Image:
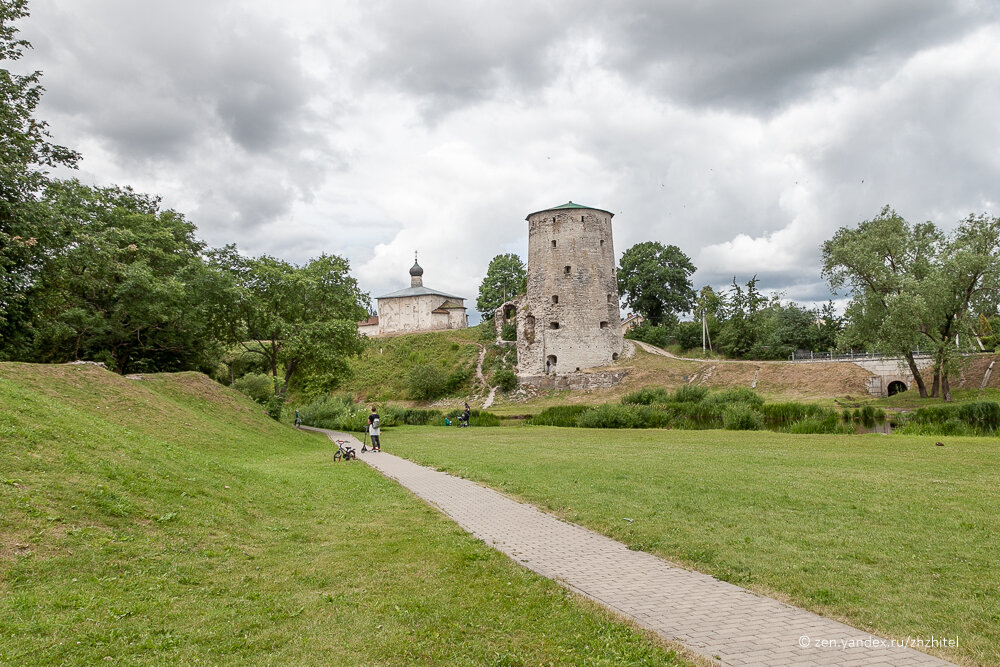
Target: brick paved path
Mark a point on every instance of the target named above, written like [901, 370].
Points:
[710, 617]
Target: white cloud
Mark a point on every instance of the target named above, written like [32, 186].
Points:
[373, 130]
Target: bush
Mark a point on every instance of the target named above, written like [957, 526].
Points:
[476, 417]
[257, 386]
[273, 407]
[456, 379]
[781, 415]
[508, 331]
[621, 416]
[393, 415]
[819, 424]
[741, 417]
[610, 416]
[427, 382]
[340, 413]
[486, 331]
[982, 415]
[737, 395]
[559, 415]
[689, 393]
[646, 396]
[658, 336]
[506, 380]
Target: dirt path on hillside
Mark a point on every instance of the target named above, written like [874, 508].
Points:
[479, 376]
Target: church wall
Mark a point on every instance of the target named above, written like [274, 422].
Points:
[413, 313]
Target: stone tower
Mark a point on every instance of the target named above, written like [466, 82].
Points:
[569, 320]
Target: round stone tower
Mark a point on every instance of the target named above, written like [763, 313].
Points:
[569, 320]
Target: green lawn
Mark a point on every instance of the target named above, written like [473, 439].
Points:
[166, 521]
[888, 533]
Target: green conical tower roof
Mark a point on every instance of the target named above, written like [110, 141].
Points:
[571, 205]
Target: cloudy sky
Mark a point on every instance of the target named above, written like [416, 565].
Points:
[744, 133]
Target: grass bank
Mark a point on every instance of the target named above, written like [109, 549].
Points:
[891, 534]
[383, 371]
[168, 521]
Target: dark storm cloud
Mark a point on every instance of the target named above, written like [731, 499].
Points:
[722, 53]
[456, 53]
[761, 55]
[173, 75]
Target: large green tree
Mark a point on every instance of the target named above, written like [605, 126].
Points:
[300, 320]
[505, 279]
[655, 281]
[26, 153]
[914, 287]
[120, 282]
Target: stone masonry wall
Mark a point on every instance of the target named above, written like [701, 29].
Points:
[413, 313]
[570, 313]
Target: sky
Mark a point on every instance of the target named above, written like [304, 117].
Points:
[744, 133]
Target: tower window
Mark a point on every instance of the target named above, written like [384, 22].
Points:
[602, 243]
[581, 218]
[566, 270]
[553, 325]
[611, 299]
[553, 243]
[555, 298]
[604, 325]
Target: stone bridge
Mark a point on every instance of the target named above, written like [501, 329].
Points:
[890, 375]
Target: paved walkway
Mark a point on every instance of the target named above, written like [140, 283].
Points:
[715, 619]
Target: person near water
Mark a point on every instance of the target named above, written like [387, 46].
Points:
[374, 430]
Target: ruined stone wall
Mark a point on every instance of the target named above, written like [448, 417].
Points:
[570, 314]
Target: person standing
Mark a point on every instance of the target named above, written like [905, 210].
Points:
[374, 430]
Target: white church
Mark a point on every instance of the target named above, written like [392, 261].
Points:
[416, 308]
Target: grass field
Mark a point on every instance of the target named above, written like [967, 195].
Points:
[889, 533]
[166, 521]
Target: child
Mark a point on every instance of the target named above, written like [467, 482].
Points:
[374, 431]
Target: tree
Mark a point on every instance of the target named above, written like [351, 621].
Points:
[25, 154]
[655, 281]
[914, 287]
[119, 282]
[505, 279]
[828, 327]
[301, 320]
[744, 328]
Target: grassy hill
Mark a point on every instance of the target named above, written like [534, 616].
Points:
[166, 520]
[383, 370]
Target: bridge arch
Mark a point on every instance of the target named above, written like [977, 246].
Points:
[896, 387]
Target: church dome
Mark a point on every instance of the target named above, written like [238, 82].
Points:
[416, 269]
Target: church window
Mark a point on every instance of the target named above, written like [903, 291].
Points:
[553, 243]
[555, 298]
[553, 325]
[566, 270]
[604, 325]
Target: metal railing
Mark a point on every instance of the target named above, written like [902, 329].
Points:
[819, 357]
